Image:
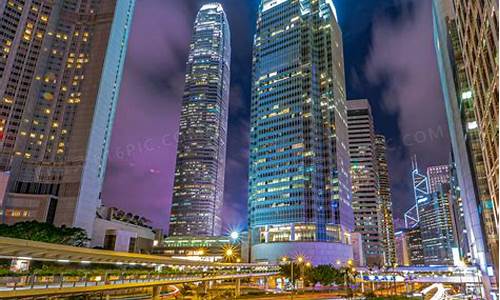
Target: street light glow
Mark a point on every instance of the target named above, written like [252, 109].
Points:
[235, 235]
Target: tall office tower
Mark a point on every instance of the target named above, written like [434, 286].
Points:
[201, 151]
[438, 175]
[299, 185]
[436, 227]
[480, 213]
[477, 27]
[386, 202]
[61, 66]
[366, 201]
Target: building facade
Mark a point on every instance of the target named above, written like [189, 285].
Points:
[402, 249]
[366, 199]
[61, 66]
[299, 185]
[201, 150]
[477, 27]
[460, 102]
[415, 248]
[358, 253]
[438, 175]
[117, 230]
[204, 248]
[386, 201]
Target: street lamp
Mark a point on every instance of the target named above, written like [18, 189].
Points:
[300, 260]
[229, 252]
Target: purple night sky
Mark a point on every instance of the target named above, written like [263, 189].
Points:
[390, 60]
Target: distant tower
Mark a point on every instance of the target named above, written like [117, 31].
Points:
[386, 201]
[201, 151]
[421, 191]
[367, 202]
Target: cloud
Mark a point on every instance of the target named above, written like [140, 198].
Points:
[402, 60]
[143, 143]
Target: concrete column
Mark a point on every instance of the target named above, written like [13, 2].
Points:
[156, 293]
[237, 291]
[266, 283]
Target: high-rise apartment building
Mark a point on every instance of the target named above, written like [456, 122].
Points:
[366, 201]
[299, 186]
[61, 65]
[387, 226]
[462, 103]
[201, 150]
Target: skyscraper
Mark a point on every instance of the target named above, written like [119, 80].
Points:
[299, 186]
[386, 201]
[461, 103]
[366, 201]
[61, 66]
[201, 150]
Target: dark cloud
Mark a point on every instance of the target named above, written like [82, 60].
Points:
[402, 60]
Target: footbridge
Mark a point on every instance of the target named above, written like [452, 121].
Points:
[163, 271]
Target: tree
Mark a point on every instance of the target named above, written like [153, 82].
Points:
[323, 274]
[44, 232]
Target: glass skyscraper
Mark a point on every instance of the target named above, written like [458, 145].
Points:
[201, 151]
[61, 65]
[299, 183]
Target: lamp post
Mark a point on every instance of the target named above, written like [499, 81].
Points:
[300, 260]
